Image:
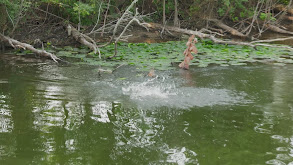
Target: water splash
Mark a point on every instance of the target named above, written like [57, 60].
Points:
[151, 94]
[100, 111]
[147, 89]
[181, 156]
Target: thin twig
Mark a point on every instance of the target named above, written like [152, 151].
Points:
[52, 14]
[9, 17]
[105, 18]
[98, 19]
[79, 20]
[272, 40]
[126, 27]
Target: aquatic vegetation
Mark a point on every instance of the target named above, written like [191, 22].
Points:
[167, 55]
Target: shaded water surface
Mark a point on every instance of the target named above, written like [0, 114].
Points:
[73, 115]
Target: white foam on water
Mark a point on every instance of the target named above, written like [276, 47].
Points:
[154, 94]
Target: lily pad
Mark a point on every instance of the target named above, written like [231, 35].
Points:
[64, 53]
[160, 55]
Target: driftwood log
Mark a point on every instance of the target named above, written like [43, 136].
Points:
[16, 44]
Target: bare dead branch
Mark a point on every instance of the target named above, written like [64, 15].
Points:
[105, 18]
[98, 19]
[283, 8]
[277, 29]
[16, 44]
[211, 32]
[134, 19]
[227, 28]
[123, 16]
[272, 40]
[213, 38]
[83, 39]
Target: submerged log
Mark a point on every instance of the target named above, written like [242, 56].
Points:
[17, 44]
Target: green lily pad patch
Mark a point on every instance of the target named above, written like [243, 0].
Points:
[163, 56]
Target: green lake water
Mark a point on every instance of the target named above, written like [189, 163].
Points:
[233, 115]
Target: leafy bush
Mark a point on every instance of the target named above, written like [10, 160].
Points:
[285, 2]
[13, 11]
[234, 9]
[267, 16]
[88, 10]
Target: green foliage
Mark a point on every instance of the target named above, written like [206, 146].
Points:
[83, 9]
[169, 8]
[234, 9]
[267, 16]
[14, 7]
[87, 9]
[285, 2]
[163, 56]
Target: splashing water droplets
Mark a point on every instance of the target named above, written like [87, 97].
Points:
[142, 90]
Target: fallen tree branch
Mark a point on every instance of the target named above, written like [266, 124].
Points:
[201, 35]
[217, 30]
[83, 39]
[289, 18]
[273, 40]
[275, 46]
[16, 44]
[211, 32]
[229, 29]
[277, 29]
[283, 8]
[197, 34]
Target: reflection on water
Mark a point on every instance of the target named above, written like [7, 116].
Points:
[101, 110]
[179, 157]
[218, 115]
[6, 124]
[278, 111]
